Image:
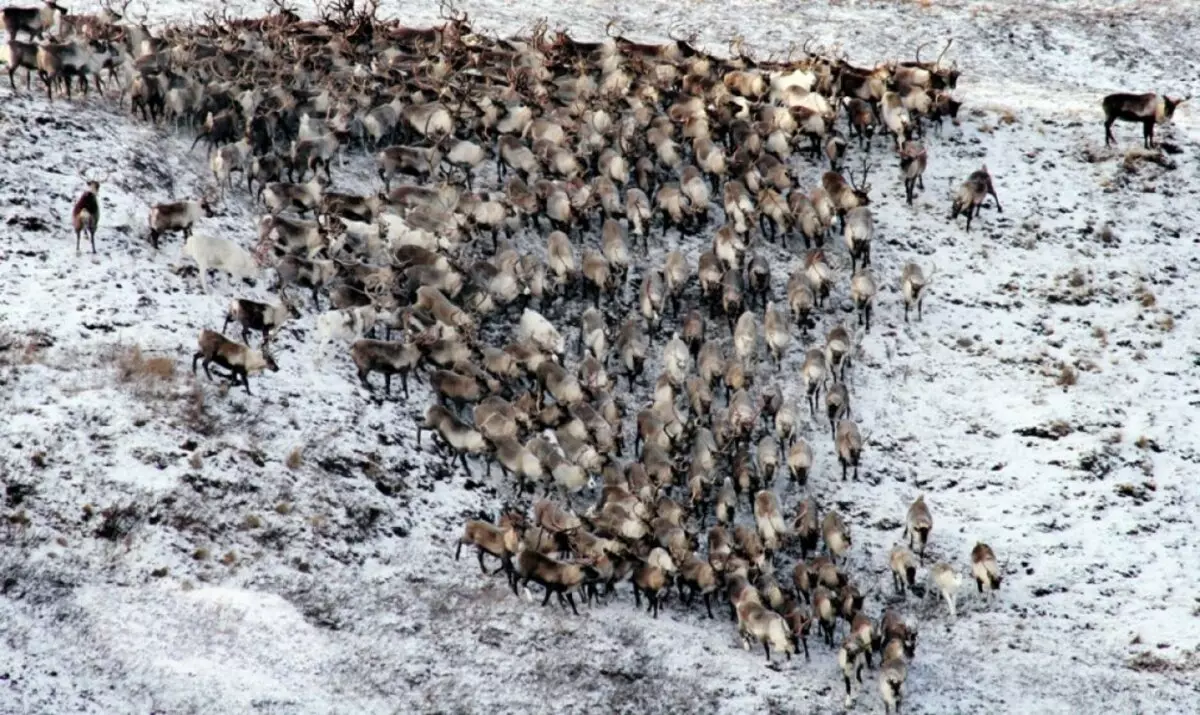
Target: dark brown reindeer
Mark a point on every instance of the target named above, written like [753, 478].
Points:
[220, 128]
[34, 21]
[971, 195]
[85, 215]
[1149, 109]
[861, 83]
[20, 55]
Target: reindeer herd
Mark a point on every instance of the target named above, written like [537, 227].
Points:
[612, 155]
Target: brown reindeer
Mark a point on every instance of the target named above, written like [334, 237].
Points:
[972, 193]
[85, 215]
[913, 158]
[1149, 109]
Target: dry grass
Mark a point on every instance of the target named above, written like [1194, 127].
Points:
[133, 365]
[1067, 376]
[1107, 236]
[1004, 114]
[1135, 157]
[295, 458]
[1145, 296]
[1149, 662]
[157, 381]
[196, 415]
[23, 348]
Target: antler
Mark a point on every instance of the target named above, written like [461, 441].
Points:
[89, 180]
[923, 44]
[735, 46]
[938, 61]
[791, 52]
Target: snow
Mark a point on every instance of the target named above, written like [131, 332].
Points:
[242, 585]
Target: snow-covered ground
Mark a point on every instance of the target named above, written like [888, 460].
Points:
[158, 553]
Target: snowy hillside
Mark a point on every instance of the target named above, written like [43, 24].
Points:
[171, 546]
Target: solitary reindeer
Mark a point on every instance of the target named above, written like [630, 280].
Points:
[1149, 109]
[85, 215]
[972, 193]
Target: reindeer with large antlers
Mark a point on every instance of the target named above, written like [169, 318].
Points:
[927, 75]
[85, 215]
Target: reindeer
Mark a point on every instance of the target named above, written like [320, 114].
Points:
[896, 118]
[912, 165]
[34, 21]
[859, 231]
[913, 282]
[918, 524]
[1149, 109]
[861, 120]
[845, 194]
[177, 216]
[218, 129]
[63, 61]
[984, 569]
[20, 55]
[85, 215]
[971, 195]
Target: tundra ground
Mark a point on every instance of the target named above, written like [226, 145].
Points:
[171, 546]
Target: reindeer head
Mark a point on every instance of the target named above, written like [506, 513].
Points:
[946, 78]
[93, 185]
[1170, 103]
[861, 188]
[207, 202]
[269, 361]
